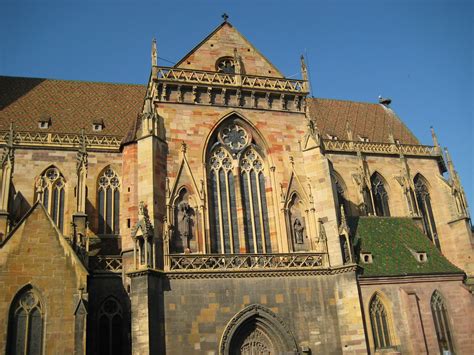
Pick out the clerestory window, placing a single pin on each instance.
(52, 186)
(379, 195)
(424, 206)
(109, 202)
(379, 321)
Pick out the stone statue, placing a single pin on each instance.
(298, 230)
(186, 225)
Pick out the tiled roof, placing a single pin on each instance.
(392, 242)
(367, 120)
(71, 105)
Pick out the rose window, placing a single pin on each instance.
(225, 65)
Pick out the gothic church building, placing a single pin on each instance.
(221, 210)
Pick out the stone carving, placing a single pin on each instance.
(298, 230)
(186, 224)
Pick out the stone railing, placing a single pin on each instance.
(62, 140)
(246, 262)
(251, 82)
(380, 148)
(105, 263)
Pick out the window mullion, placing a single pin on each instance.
(260, 214)
(27, 331)
(221, 227)
(112, 207)
(229, 214)
(254, 229)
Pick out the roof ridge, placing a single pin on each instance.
(71, 81)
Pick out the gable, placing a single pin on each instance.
(221, 43)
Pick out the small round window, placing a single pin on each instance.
(225, 65)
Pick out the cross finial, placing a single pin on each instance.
(225, 17)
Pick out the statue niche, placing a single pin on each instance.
(297, 225)
(184, 231)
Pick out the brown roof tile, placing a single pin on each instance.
(373, 121)
(71, 105)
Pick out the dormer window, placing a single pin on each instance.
(97, 125)
(366, 257)
(364, 139)
(44, 123)
(421, 257)
(225, 65)
(331, 137)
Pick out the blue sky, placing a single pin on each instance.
(419, 52)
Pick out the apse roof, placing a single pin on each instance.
(73, 105)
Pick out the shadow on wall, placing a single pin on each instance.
(13, 88)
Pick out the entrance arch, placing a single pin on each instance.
(257, 331)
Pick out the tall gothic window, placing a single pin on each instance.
(380, 195)
(53, 188)
(26, 324)
(424, 206)
(379, 322)
(440, 318)
(110, 327)
(233, 152)
(109, 202)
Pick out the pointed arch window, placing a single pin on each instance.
(379, 195)
(440, 318)
(110, 327)
(379, 321)
(53, 196)
(236, 178)
(424, 206)
(109, 202)
(257, 234)
(26, 324)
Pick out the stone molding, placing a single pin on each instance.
(409, 279)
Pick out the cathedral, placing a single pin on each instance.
(219, 209)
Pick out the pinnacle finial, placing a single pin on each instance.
(304, 70)
(434, 137)
(154, 53)
(349, 131)
(225, 17)
(184, 147)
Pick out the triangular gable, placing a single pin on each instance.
(221, 43)
(294, 184)
(38, 225)
(184, 177)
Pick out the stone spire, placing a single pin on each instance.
(457, 190)
(304, 74)
(154, 53)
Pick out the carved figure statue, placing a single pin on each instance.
(186, 224)
(298, 230)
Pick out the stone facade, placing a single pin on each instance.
(218, 224)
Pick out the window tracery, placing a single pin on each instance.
(424, 206)
(225, 65)
(53, 194)
(380, 196)
(379, 321)
(26, 324)
(109, 202)
(110, 327)
(440, 318)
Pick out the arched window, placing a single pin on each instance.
(440, 318)
(109, 202)
(424, 206)
(257, 234)
(380, 195)
(110, 327)
(234, 151)
(26, 324)
(379, 322)
(53, 198)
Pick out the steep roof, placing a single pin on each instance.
(367, 120)
(71, 105)
(392, 242)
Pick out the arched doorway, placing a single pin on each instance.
(257, 331)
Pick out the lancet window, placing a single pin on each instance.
(26, 324)
(236, 177)
(109, 202)
(110, 327)
(380, 195)
(379, 321)
(53, 194)
(440, 318)
(424, 206)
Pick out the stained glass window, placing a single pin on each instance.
(379, 321)
(53, 194)
(424, 206)
(109, 202)
(110, 327)
(380, 196)
(440, 318)
(26, 324)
